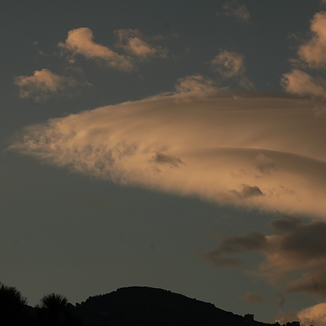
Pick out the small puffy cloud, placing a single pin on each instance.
(80, 41)
(195, 85)
(296, 248)
(43, 84)
(235, 9)
(300, 83)
(231, 65)
(253, 297)
(313, 52)
(133, 42)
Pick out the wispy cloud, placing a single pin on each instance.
(246, 152)
(132, 41)
(235, 9)
(43, 84)
(253, 297)
(231, 65)
(80, 41)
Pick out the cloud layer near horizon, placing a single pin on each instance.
(240, 148)
(294, 253)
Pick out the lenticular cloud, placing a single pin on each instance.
(244, 149)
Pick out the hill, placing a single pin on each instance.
(150, 306)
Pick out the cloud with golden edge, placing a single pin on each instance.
(43, 84)
(80, 41)
(238, 148)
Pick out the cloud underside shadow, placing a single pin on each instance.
(293, 261)
(239, 148)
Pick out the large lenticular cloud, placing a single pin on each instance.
(245, 149)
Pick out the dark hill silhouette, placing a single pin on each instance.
(150, 306)
(127, 306)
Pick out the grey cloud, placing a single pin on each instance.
(215, 259)
(306, 240)
(247, 192)
(297, 248)
(253, 241)
(235, 9)
(161, 158)
(253, 297)
(312, 283)
(250, 191)
(286, 224)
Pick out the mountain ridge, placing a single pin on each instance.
(150, 306)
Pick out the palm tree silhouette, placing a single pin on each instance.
(53, 305)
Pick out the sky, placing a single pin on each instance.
(172, 144)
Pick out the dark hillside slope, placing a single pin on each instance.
(149, 306)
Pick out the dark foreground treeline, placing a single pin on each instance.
(127, 306)
(53, 309)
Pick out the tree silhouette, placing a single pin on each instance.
(12, 304)
(53, 306)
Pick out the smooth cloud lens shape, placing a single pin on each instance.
(237, 148)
